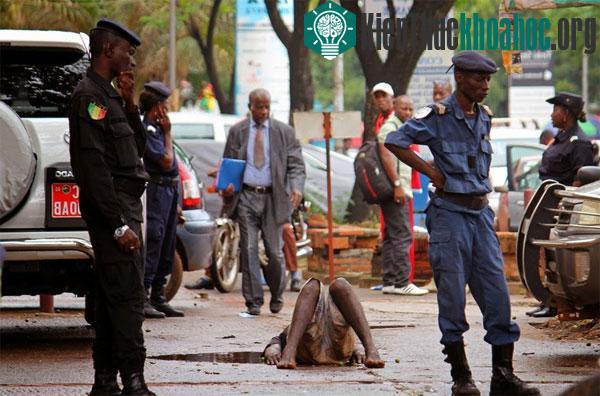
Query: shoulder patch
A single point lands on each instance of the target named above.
(488, 110)
(440, 109)
(97, 112)
(573, 138)
(422, 112)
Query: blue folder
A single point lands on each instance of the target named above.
(231, 171)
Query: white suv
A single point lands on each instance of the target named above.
(48, 248)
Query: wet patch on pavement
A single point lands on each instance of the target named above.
(220, 357)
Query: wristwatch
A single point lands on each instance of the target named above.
(397, 183)
(119, 232)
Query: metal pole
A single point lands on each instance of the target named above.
(47, 303)
(172, 61)
(584, 80)
(327, 130)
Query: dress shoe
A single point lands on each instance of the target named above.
(149, 311)
(254, 311)
(295, 285)
(202, 283)
(134, 384)
(537, 309)
(105, 383)
(276, 306)
(159, 302)
(546, 312)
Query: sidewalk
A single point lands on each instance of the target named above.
(405, 330)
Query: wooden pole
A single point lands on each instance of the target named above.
(327, 135)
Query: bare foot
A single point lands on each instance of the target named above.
(286, 364)
(373, 360)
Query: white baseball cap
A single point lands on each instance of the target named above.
(383, 87)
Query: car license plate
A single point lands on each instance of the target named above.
(65, 201)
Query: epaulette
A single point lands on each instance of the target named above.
(487, 110)
(151, 129)
(422, 112)
(573, 138)
(440, 109)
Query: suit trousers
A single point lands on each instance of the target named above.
(119, 312)
(255, 213)
(397, 239)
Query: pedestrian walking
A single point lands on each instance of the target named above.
(162, 198)
(107, 140)
(463, 246)
(273, 183)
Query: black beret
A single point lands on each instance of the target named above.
(159, 89)
(572, 102)
(119, 30)
(473, 62)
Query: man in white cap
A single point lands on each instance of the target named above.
(394, 212)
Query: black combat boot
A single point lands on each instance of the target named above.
(149, 311)
(460, 371)
(159, 302)
(504, 382)
(105, 383)
(134, 384)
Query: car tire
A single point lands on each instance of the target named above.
(174, 280)
(90, 309)
(226, 258)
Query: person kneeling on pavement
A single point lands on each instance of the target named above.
(162, 196)
(321, 329)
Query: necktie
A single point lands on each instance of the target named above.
(259, 147)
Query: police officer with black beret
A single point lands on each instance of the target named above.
(571, 148)
(463, 246)
(161, 199)
(106, 145)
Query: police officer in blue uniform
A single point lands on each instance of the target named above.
(463, 247)
(161, 199)
(571, 148)
(106, 145)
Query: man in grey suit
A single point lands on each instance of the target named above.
(273, 184)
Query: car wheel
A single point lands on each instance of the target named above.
(174, 280)
(226, 258)
(90, 309)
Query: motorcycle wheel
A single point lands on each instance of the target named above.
(226, 258)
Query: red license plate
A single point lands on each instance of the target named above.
(65, 201)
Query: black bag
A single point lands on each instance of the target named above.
(370, 175)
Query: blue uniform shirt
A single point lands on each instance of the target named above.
(258, 177)
(155, 149)
(461, 149)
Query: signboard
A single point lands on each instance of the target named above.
(432, 65)
(261, 60)
(309, 125)
(530, 89)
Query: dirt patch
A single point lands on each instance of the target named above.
(588, 329)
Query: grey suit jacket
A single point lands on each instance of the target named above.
(287, 164)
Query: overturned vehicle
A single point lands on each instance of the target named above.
(558, 247)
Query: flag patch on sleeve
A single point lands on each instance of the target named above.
(96, 111)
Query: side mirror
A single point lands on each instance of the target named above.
(588, 174)
(501, 189)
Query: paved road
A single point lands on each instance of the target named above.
(50, 354)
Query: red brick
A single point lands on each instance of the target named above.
(338, 242)
(365, 243)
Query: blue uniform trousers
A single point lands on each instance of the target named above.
(464, 249)
(161, 216)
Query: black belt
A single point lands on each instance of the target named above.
(258, 189)
(169, 181)
(475, 202)
(134, 187)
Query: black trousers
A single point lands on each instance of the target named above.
(397, 239)
(119, 342)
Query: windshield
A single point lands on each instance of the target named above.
(38, 82)
(499, 147)
(192, 131)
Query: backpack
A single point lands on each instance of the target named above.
(370, 175)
